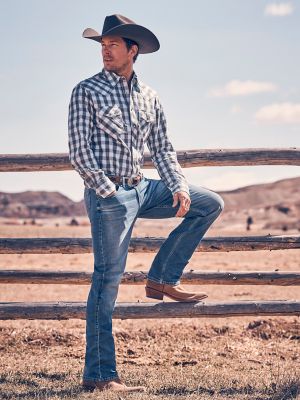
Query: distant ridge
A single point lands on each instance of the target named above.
(39, 204)
(277, 204)
(266, 194)
(273, 205)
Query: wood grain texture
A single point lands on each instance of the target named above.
(77, 310)
(186, 158)
(146, 244)
(17, 276)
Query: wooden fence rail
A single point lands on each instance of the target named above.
(146, 244)
(283, 278)
(186, 158)
(68, 310)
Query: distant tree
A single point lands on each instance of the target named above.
(249, 222)
(74, 222)
(5, 201)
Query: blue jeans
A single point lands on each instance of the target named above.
(112, 220)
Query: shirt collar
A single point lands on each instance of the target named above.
(114, 78)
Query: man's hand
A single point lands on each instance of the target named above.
(185, 201)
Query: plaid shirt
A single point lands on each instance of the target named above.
(110, 123)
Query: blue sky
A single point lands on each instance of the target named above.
(227, 74)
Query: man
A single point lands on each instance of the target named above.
(112, 115)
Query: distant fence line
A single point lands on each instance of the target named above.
(187, 158)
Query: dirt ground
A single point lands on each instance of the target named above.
(204, 358)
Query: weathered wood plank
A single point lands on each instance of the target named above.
(146, 244)
(17, 276)
(186, 158)
(68, 310)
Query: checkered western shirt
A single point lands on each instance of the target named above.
(109, 124)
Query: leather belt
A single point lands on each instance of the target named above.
(126, 180)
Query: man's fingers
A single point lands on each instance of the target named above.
(184, 206)
(175, 200)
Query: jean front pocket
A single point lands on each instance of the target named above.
(119, 199)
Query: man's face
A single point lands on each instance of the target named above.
(115, 55)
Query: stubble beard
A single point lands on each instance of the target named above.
(118, 69)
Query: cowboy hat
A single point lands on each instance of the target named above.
(118, 25)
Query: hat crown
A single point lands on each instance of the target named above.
(118, 25)
(112, 21)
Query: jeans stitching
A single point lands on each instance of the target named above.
(87, 198)
(167, 282)
(100, 237)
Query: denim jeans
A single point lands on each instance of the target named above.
(112, 220)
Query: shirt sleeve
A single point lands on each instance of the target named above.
(163, 154)
(81, 155)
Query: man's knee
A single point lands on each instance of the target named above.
(206, 202)
(216, 203)
(219, 203)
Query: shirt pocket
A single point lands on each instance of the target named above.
(146, 121)
(110, 120)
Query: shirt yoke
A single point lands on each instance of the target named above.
(98, 83)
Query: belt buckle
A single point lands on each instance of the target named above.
(130, 181)
(123, 180)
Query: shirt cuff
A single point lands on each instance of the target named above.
(105, 188)
(180, 187)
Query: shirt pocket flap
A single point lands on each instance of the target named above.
(146, 115)
(112, 114)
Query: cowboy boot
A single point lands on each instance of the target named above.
(115, 385)
(156, 290)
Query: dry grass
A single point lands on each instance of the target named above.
(174, 359)
(213, 358)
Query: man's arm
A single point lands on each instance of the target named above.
(80, 128)
(164, 155)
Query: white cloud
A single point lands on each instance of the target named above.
(235, 109)
(279, 113)
(279, 9)
(242, 88)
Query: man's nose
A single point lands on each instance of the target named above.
(106, 51)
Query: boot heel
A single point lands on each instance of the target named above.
(154, 294)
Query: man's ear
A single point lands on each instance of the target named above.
(135, 49)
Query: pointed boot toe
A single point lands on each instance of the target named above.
(115, 385)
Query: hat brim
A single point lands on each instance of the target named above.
(147, 41)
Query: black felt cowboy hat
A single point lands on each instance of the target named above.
(118, 25)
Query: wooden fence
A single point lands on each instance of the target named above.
(188, 158)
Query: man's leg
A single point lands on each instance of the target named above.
(175, 252)
(112, 221)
